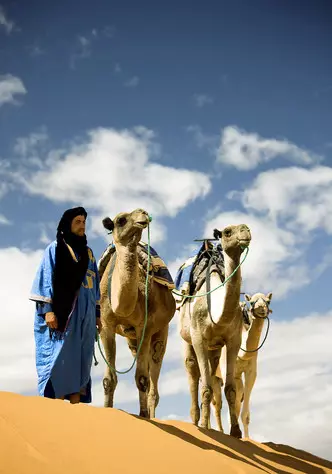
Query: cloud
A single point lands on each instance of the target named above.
(245, 151)
(30, 146)
(302, 198)
(82, 49)
(35, 50)
(117, 68)
(202, 139)
(201, 100)
(124, 177)
(132, 82)
(4, 220)
(5, 23)
(286, 210)
(10, 86)
(17, 365)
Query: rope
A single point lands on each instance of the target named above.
(145, 317)
(267, 332)
(219, 286)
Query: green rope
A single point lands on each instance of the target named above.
(145, 318)
(219, 286)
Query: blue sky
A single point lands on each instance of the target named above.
(205, 115)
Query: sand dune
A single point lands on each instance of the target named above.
(42, 436)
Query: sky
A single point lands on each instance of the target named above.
(205, 115)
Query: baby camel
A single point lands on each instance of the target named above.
(246, 362)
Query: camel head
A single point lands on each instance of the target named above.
(234, 239)
(127, 227)
(259, 304)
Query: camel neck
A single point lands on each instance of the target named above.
(232, 288)
(250, 341)
(125, 281)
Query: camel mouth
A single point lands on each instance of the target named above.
(142, 224)
(244, 242)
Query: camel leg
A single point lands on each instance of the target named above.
(157, 352)
(214, 357)
(142, 374)
(239, 395)
(193, 379)
(250, 378)
(230, 387)
(203, 363)
(110, 379)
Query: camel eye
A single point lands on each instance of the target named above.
(122, 221)
(227, 232)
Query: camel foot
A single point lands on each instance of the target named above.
(236, 432)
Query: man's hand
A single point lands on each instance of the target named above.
(99, 324)
(51, 320)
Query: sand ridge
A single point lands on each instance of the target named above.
(40, 435)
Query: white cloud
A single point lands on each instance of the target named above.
(17, 364)
(4, 220)
(285, 209)
(35, 50)
(29, 147)
(117, 68)
(10, 86)
(202, 139)
(201, 100)
(5, 23)
(132, 82)
(245, 151)
(124, 178)
(301, 197)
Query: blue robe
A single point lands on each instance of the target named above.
(64, 364)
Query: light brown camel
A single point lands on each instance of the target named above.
(123, 311)
(206, 332)
(246, 362)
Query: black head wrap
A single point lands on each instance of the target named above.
(68, 274)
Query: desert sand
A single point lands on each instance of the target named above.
(40, 436)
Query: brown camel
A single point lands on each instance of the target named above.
(123, 310)
(206, 328)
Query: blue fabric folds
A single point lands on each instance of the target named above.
(64, 364)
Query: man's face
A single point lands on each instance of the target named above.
(78, 226)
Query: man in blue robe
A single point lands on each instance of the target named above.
(66, 292)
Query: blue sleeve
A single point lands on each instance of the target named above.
(42, 287)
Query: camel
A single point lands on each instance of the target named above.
(207, 326)
(123, 310)
(246, 362)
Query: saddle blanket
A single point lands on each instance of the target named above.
(158, 268)
(184, 277)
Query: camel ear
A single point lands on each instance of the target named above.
(108, 224)
(247, 297)
(269, 296)
(217, 234)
